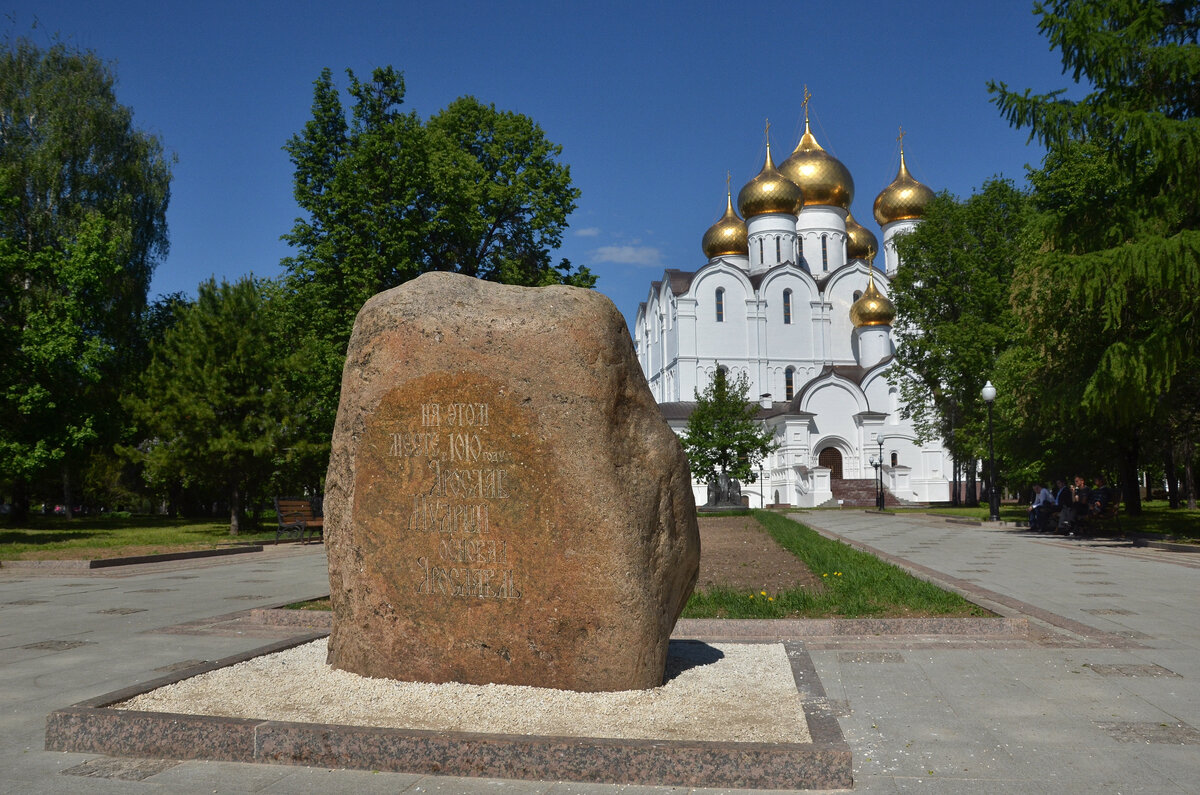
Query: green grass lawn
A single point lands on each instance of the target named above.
(89, 538)
(1157, 518)
(853, 585)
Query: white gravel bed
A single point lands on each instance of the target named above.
(743, 693)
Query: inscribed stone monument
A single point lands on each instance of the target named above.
(504, 501)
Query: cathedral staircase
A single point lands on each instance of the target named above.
(858, 494)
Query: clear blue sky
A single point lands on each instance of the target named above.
(652, 103)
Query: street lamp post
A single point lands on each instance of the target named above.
(875, 463)
(989, 396)
(879, 498)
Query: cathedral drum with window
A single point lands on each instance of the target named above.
(790, 296)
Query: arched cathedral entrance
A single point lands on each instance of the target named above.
(831, 457)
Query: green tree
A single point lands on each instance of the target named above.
(1130, 268)
(722, 439)
(83, 199)
(210, 400)
(953, 317)
(388, 196)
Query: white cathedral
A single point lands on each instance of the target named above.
(791, 298)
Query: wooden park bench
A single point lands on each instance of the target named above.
(1092, 523)
(297, 516)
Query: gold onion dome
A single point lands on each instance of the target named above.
(873, 308)
(770, 192)
(904, 198)
(822, 177)
(727, 235)
(861, 242)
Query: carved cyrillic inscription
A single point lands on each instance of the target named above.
(459, 475)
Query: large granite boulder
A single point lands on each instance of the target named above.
(505, 502)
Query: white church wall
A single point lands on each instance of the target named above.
(789, 342)
(822, 232)
(835, 404)
(771, 239)
(721, 329)
(891, 259)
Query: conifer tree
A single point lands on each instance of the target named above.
(1112, 296)
(211, 400)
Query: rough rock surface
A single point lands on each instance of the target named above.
(505, 503)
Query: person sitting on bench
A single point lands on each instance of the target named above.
(1042, 505)
(1064, 500)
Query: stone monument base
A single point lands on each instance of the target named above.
(95, 726)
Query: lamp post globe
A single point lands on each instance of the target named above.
(988, 393)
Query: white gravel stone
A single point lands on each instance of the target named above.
(737, 693)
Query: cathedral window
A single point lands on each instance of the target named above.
(787, 306)
(721, 304)
(778, 250)
(857, 294)
(824, 252)
(895, 459)
(789, 383)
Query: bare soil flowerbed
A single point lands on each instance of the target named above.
(736, 553)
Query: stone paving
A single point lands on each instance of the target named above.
(1107, 701)
(1104, 698)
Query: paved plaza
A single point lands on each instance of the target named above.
(1102, 696)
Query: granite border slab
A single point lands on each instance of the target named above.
(131, 560)
(93, 726)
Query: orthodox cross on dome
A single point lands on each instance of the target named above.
(900, 139)
(804, 103)
(728, 176)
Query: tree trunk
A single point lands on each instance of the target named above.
(1189, 479)
(955, 484)
(235, 511)
(20, 510)
(1147, 485)
(1172, 477)
(972, 495)
(1127, 470)
(68, 496)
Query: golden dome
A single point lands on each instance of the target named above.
(873, 308)
(726, 236)
(904, 198)
(822, 177)
(861, 242)
(769, 192)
